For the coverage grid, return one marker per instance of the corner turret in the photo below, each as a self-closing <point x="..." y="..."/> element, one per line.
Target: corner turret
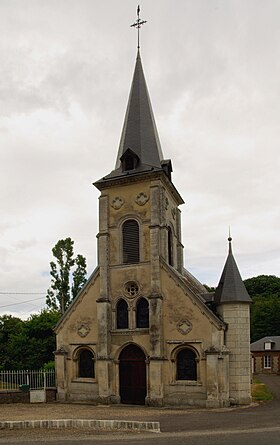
<point x="232" y="302"/>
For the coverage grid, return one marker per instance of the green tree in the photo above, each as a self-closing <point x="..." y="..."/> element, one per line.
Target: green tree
<point x="209" y="288"/>
<point x="265" y="317"/>
<point x="265" y="309"/>
<point x="9" y="326"/>
<point x="27" y="344"/>
<point x="79" y="275"/>
<point x="263" y="285"/>
<point x="61" y="293"/>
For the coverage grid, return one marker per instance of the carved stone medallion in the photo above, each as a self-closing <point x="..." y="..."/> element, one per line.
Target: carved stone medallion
<point x="83" y="329"/>
<point x="184" y="326"/>
<point x="131" y="289"/>
<point x="117" y="202"/>
<point x="141" y="198"/>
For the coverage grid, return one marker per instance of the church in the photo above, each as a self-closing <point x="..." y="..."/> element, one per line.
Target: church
<point x="143" y="330"/>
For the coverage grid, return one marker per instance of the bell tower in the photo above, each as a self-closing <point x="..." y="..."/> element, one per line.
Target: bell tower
<point x="139" y="219"/>
<point x="148" y="194"/>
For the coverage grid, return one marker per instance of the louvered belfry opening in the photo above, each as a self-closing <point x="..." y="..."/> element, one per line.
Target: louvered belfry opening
<point x="130" y="233"/>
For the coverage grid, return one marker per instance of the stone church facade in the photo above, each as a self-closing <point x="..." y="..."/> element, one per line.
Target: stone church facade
<point x="143" y="330"/>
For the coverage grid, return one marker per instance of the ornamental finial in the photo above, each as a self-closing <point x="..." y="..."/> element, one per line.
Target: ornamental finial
<point x="137" y="24"/>
<point x="229" y="240"/>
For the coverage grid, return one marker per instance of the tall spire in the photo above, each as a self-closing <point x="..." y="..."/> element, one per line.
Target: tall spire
<point x="139" y="150"/>
<point x="139" y="132"/>
<point x="231" y="288"/>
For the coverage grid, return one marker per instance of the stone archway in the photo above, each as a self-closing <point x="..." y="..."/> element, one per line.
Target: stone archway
<point x="132" y="371"/>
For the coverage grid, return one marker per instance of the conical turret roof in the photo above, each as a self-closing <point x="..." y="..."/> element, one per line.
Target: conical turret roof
<point x="231" y="288"/>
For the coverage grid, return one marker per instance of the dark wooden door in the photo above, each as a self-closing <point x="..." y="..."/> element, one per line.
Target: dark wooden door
<point x="133" y="386"/>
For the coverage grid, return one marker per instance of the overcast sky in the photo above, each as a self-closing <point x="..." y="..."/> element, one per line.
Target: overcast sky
<point x="213" y="74"/>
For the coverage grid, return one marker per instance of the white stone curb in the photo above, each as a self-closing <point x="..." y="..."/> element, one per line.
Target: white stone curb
<point x="80" y="423"/>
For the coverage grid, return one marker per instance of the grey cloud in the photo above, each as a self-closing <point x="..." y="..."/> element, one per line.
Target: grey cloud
<point x="25" y="244"/>
<point x="213" y="75"/>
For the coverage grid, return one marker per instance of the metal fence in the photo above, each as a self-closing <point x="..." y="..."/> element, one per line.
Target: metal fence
<point x="10" y="380"/>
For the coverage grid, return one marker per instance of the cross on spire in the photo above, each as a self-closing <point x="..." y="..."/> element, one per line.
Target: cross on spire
<point x="137" y="24"/>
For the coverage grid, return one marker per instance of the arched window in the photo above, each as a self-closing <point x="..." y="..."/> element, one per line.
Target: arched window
<point x="130" y="235"/>
<point x="170" y="246"/>
<point x="86" y="364"/>
<point x="122" y="314"/>
<point x="142" y="313"/>
<point x="186" y="365"/>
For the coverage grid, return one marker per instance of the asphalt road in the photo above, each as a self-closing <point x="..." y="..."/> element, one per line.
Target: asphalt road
<point x="260" y="436"/>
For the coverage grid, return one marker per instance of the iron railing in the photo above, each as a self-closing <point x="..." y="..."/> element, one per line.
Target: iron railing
<point x="33" y="379"/>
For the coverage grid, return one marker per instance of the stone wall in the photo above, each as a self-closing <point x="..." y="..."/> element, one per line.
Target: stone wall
<point x="237" y="315"/>
<point x="17" y="396"/>
<point x="258" y="358"/>
<point x="14" y="396"/>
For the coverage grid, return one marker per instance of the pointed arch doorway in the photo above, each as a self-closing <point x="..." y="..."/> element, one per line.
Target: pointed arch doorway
<point x="132" y="372"/>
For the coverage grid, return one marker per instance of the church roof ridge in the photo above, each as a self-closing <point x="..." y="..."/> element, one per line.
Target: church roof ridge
<point x="231" y="288"/>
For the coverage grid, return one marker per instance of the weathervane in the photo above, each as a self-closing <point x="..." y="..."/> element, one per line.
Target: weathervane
<point x="138" y="23"/>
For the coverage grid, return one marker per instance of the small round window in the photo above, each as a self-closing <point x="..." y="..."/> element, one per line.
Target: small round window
<point x="131" y="289"/>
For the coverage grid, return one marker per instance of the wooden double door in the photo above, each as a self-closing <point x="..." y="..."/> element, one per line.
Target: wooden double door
<point x="132" y="371"/>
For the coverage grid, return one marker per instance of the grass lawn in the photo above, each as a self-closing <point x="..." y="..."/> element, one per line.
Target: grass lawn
<point x="260" y="392"/>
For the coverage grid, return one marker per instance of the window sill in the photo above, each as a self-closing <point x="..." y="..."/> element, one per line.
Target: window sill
<point x="84" y="380"/>
<point x="120" y="265"/>
<point x="186" y="383"/>
<point x="130" y="331"/>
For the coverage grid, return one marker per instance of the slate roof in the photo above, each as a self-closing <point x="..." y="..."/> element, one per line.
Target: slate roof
<point x="139" y="132"/>
<point x="231" y="288"/>
<point x="194" y="283"/>
<point x="259" y="344"/>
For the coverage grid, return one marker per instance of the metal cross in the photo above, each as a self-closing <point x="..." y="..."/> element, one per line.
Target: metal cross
<point x="138" y="23"/>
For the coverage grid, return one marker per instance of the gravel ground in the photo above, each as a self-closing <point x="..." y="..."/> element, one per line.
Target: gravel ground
<point x="46" y="436"/>
<point x="54" y="410"/>
<point x="19" y="411"/>
<point x="176" y="419"/>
